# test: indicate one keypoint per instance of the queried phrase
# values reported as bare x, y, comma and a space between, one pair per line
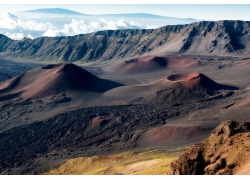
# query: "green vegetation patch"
154, 162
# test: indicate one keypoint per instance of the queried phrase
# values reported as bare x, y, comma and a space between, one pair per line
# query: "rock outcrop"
224, 152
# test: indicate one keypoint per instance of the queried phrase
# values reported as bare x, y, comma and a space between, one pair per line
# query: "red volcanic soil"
190, 87
142, 65
54, 79
169, 134
196, 80
182, 63
151, 63
183, 77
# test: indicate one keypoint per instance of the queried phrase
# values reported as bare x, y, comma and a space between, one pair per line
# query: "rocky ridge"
205, 37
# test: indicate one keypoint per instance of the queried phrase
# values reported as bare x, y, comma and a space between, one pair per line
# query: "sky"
17, 25
207, 11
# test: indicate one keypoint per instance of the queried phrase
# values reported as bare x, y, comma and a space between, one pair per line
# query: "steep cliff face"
217, 37
224, 152
203, 38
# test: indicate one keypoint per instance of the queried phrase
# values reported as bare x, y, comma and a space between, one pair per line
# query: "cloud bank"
15, 28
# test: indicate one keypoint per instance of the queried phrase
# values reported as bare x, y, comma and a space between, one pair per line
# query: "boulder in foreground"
224, 152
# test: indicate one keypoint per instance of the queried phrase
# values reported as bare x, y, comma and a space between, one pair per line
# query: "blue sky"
197, 11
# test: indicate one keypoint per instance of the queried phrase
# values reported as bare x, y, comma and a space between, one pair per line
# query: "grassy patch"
152, 162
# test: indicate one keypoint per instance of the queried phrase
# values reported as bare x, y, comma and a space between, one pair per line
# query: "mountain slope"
142, 15
201, 38
54, 11
124, 15
188, 88
224, 152
142, 65
52, 80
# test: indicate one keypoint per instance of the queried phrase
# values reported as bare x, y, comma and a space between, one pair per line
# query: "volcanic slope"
28, 146
227, 38
52, 80
142, 65
224, 152
150, 63
190, 87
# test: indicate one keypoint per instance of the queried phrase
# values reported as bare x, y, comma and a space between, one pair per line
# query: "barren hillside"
205, 37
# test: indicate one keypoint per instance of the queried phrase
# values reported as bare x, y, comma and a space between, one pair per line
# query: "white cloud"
76, 27
51, 33
82, 27
121, 23
133, 23
108, 24
95, 25
15, 36
35, 26
8, 20
150, 27
15, 28
30, 36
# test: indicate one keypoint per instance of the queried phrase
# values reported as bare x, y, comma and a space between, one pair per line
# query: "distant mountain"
144, 15
201, 38
129, 15
54, 11
132, 15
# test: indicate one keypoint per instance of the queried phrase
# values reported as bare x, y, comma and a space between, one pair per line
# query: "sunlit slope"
144, 163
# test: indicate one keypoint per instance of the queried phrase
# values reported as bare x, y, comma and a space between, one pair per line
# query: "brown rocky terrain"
190, 87
9, 69
224, 152
200, 38
52, 80
142, 65
164, 88
60, 111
